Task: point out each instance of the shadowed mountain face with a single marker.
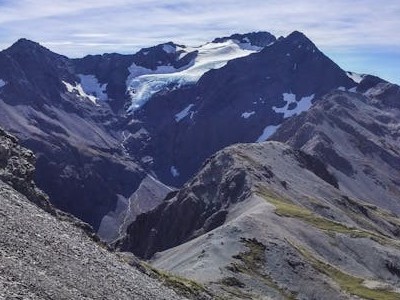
(233, 104)
(79, 158)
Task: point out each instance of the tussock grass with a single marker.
(285, 208)
(351, 284)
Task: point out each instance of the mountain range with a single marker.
(252, 164)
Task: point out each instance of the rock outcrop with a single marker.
(17, 168)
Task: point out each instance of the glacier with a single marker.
(143, 83)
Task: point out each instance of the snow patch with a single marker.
(184, 113)
(341, 88)
(268, 131)
(247, 115)
(143, 83)
(303, 105)
(353, 90)
(169, 48)
(78, 90)
(174, 171)
(91, 86)
(357, 78)
(2, 83)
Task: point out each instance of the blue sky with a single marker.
(360, 35)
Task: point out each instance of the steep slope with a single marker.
(32, 74)
(264, 219)
(51, 256)
(357, 136)
(150, 193)
(110, 70)
(44, 104)
(244, 101)
(17, 170)
(45, 258)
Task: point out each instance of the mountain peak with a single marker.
(30, 49)
(24, 43)
(298, 37)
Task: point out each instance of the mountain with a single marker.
(72, 114)
(165, 154)
(315, 217)
(102, 126)
(48, 254)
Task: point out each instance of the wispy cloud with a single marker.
(80, 27)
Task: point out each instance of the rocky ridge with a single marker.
(356, 136)
(268, 220)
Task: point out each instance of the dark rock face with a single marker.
(34, 74)
(316, 166)
(259, 39)
(110, 69)
(17, 169)
(198, 208)
(203, 203)
(91, 183)
(80, 162)
(168, 54)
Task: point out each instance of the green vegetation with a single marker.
(251, 262)
(347, 282)
(180, 285)
(285, 208)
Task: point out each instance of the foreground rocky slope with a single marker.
(50, 256)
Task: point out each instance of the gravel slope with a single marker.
(42, 257)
